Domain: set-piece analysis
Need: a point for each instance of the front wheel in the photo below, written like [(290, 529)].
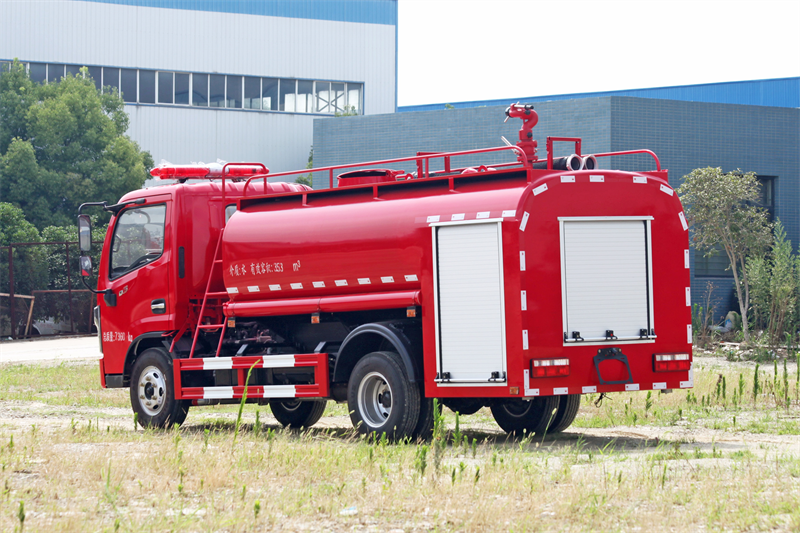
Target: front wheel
[(380, 397), (297, 414), (153, 391), (523, 417)]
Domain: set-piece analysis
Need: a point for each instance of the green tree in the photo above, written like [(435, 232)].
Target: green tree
[(720, 209), (62, 144), (773, 281), (30, 267)]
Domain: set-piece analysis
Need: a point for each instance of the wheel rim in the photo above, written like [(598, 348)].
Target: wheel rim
[(517, 409), (290, 405), (374, 399), (152, 389)]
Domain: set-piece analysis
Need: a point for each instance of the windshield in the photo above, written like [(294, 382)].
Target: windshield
[(138, 238)]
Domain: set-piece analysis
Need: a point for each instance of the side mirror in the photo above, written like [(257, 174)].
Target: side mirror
[(84, 235), (86, 266)]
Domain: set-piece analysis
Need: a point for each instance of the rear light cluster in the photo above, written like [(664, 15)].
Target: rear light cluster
[(671, 362), (545, 368)]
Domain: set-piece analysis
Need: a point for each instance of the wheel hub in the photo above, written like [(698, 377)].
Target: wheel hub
[(375, 399), (152, 388)]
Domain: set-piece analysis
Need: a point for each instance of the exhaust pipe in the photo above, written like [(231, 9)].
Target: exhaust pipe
[(572, 163), (589, 162)]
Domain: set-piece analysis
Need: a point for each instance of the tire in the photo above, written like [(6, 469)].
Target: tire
[(567, 411), (424, 427), (153, 392), (464, 406), (297, 414), (523, 417), (380, 397)]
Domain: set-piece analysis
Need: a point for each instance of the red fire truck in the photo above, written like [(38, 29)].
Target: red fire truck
[(518, 286)]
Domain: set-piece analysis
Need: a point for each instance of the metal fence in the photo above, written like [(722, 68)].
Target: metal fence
[(40, 293)]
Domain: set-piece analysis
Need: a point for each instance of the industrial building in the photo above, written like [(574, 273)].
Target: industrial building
[(229, 79)]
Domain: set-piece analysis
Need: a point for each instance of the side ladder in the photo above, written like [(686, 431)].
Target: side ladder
[(243, 364), (216, 263)]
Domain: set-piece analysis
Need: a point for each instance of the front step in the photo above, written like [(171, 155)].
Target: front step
[(242, 364)]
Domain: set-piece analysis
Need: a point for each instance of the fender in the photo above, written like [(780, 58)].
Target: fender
[(150, 339), (405, 336)]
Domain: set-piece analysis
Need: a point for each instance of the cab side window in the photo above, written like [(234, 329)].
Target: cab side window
[(138, 238)]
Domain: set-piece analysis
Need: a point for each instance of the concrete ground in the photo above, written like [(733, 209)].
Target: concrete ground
[(58, 349)]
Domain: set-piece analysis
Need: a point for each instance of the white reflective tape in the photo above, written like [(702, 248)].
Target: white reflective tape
[(297, 285), (458, 216), (589, 390), (522, 261), (524, 296), (433, 218), (688, 297), (274, 287), (540, 189), (524, 339), (318, 284), (631, 386), (363, 281), (524, 222), (639, 179), (560, 391), (233, 290), (253, 288), (567, 179), (217, 393), (411, 277), (526, 379), (341, 282), (660, 386), (689, 333), (667, 190), (278, 361), (597, 179), (686, 258), (510, 213), (683, 221), (483, 214), (278, 391), (387, 279), (217, 363)]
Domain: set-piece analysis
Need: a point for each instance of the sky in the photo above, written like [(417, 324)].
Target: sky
[(461, 50)]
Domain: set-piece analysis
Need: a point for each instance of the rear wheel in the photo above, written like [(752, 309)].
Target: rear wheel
[(523, 417), (153, 392), (567, 411), (297, 414), (380, 397)]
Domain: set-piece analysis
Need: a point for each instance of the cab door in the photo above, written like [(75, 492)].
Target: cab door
[(139, 275)]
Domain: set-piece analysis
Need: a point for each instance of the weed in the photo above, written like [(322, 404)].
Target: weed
[(755, 384), (21, 515), (256, 509), (421, 460), (135, 421), (648, 403), (477, 474), (241, 404), (257, 426)]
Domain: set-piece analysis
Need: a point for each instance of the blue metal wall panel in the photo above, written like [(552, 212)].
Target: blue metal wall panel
[(364, 11), (780, 92)]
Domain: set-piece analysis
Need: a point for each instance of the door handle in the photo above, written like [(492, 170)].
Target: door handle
[(159, 307)]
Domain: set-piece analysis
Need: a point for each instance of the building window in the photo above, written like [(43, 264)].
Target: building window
[(234, 92), (252, 93), (147, 86), (137, 86), (182, 88), (200, 90), (216, 91), (127, 85)]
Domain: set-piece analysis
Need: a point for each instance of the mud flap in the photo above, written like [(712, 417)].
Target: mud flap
[(612, 354)]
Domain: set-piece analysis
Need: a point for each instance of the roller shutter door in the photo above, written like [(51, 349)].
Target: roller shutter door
[(469, 285), (606, 279)]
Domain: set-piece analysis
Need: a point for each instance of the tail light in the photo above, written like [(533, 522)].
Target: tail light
[(671, 362), (545, 368)]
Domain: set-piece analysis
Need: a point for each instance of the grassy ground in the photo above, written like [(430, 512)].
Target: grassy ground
[(712, 458)]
